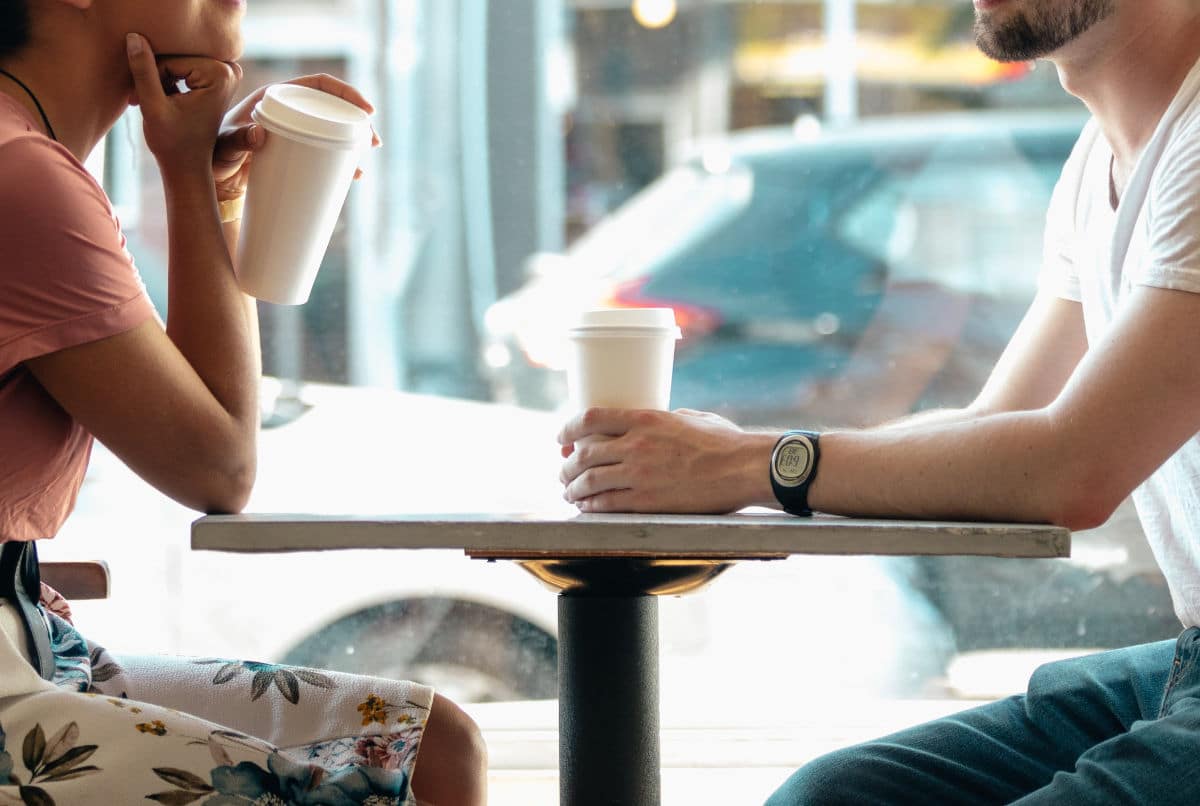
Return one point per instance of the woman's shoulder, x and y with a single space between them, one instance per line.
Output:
38 175
33 152
56 223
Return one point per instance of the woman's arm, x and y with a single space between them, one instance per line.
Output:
180 407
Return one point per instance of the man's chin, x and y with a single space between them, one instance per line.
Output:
1004 57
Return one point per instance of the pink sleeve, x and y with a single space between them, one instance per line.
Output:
65 277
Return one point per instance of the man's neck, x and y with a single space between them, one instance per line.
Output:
82 91
1129 68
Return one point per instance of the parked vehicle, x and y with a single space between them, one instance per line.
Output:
846 279
781 251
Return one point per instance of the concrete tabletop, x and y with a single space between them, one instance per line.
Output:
748 534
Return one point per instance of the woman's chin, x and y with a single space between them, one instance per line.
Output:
232 50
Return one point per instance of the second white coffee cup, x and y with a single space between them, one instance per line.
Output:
298 184
622 358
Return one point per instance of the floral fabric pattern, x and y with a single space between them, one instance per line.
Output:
115 730
54 602
389 751
60 758
283 781
72 659
287 679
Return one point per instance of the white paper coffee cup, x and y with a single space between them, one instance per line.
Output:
622 358
298 184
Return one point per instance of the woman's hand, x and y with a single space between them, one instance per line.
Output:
623 460
240 136
180 127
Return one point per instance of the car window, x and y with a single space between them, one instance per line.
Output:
672 213
969 225
777 258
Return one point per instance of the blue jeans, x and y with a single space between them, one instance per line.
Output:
1115 727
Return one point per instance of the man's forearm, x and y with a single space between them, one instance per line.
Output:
1001 467
933 431
929 417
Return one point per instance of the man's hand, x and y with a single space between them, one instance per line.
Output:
180 127
240 136
621 460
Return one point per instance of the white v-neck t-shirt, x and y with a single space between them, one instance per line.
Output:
1096 255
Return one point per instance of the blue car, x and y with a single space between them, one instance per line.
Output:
800 264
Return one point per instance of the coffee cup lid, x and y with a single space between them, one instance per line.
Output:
313 114
653 318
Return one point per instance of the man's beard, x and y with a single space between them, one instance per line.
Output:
1038 31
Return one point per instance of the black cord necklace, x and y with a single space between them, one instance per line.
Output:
35 100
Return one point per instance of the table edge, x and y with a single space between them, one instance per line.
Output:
509 536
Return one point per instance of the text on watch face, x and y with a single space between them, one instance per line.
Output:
794 462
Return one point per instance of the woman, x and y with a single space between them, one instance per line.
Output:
82 354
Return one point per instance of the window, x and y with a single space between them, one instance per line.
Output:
842 201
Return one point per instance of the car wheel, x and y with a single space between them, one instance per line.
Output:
467 651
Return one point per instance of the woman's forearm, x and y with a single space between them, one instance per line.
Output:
209 319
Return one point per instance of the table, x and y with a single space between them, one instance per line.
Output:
607 570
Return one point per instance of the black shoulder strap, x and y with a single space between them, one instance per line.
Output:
21 584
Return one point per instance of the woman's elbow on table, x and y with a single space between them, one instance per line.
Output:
214 485
224 493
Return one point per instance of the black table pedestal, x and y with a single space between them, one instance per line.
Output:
608 700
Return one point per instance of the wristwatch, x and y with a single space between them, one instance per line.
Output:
793 468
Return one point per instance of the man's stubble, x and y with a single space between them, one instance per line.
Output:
1037 30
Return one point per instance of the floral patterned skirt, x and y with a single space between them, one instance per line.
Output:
122 730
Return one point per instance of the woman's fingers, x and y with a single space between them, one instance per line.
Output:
240 115
231 158
183 99
235 143
326 83
335 86
146 82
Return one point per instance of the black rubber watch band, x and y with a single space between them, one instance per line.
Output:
793 468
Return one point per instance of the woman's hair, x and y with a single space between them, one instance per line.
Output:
14 26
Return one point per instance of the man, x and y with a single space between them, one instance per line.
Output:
1096 397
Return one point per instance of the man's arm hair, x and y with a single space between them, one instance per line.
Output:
1064 453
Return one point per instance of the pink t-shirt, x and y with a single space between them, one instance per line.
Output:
65 280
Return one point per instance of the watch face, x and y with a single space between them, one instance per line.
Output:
793 461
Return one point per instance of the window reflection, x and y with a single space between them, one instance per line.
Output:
846 236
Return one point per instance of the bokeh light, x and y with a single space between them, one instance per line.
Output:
655 13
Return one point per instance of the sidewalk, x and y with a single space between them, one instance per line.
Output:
713 757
